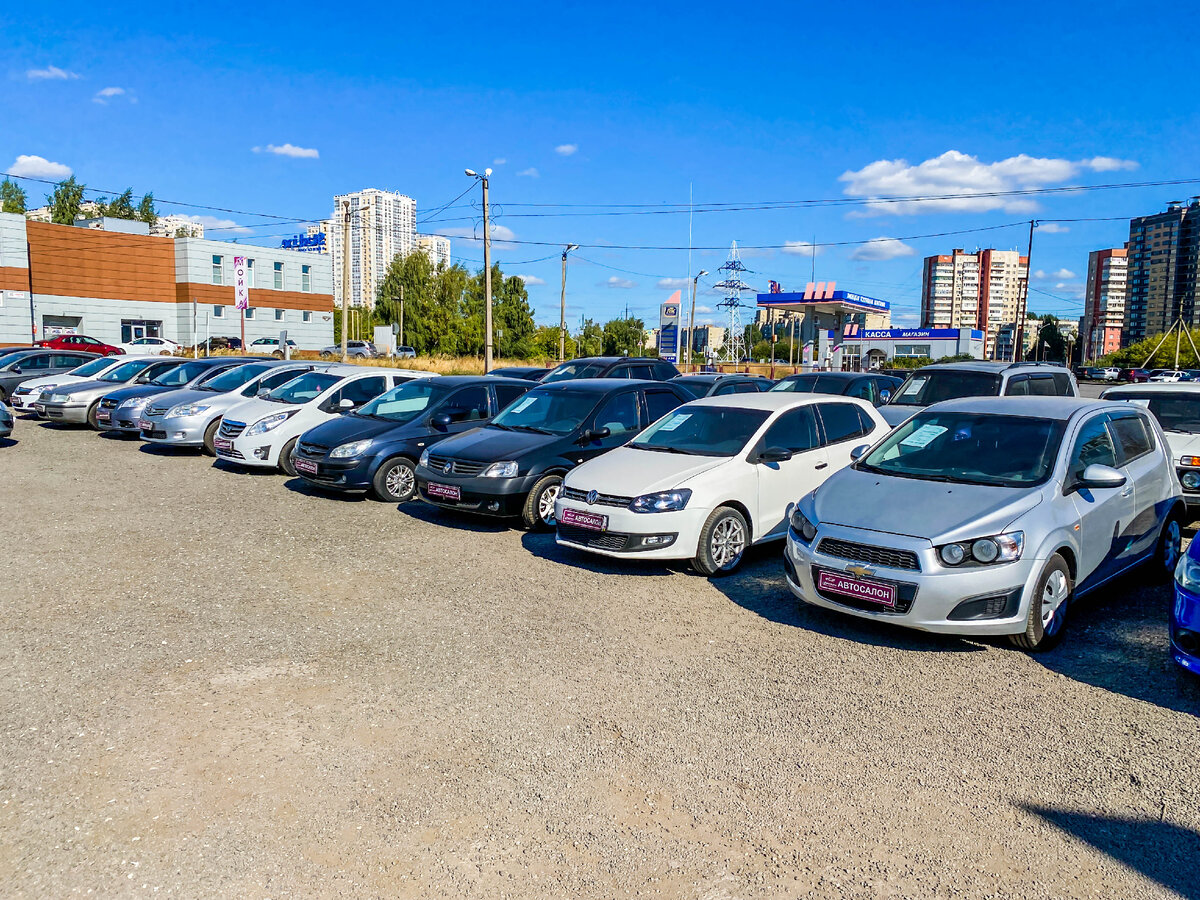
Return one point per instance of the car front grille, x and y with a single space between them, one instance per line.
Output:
156 410
230 453
877 556
108 404
457 466
231 429
315 451
601 499
601 540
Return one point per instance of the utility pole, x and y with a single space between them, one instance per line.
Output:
1023 305
345 273
487 271
692 317
562 306
402 344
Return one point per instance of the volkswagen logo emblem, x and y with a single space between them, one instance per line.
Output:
592 497
448 468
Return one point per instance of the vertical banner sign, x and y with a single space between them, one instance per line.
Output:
668 329
241 283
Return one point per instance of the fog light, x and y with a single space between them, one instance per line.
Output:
1190 480
180 435
262 452
493 506
1187 641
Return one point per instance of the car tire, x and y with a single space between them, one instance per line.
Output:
278 354
3 396
1167 552
395 480
285 458
723 542
91 416
1046 621
325 354
538 512
209 445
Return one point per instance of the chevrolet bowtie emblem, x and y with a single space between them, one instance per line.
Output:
860 571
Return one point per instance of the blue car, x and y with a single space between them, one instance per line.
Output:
376 448
1185 617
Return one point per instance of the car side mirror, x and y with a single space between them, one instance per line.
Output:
263 392
1098 476
595 434
441 421
859 451
775 455
16 370
885 396
345 403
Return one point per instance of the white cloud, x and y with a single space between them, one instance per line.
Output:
1109 164
50 73
289 150
1052 228
882 248
801 248
225 226
38 167
566 149
499 161
1074 291
703 309
531 172
615 282
531 280
961 174
672 284
1042 275
105 94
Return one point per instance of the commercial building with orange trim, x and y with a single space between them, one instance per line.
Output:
120 285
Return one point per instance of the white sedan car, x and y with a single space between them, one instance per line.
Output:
263 432
1169 376
712 477
150 346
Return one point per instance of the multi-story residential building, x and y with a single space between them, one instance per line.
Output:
984 290
177 226
437 248
1104 302
381 225
323 227
1164 253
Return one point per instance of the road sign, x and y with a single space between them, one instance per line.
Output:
241 283
668 329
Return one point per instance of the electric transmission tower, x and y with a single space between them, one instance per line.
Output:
732 284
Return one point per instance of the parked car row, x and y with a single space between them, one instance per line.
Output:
998 499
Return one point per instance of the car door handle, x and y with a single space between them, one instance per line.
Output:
1128 492
821 465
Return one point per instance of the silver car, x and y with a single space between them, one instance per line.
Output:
6 421
190 417
79 404
354 350
988 515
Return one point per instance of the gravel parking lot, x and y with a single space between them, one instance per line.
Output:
220 684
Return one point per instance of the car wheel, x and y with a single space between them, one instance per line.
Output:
723 541
395 481
91 415
278 354
210 437
538 514
285 458
1047 616
3 396
1166 555
325 354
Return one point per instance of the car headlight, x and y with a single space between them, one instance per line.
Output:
35 390
1187 573
185 409
262 426
133 403
506 469
58 398
424 460
663 501
984 551
802 526
354 448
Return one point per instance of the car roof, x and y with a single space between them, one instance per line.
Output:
982 365
773 400
607 360
1159 387
453 381
838 376
1037 407
597 385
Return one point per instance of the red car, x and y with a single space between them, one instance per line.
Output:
80 342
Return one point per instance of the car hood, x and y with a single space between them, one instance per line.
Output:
251 411
491 444
345 429
34 384
894 415
84 387
934 510
628 471
136 390
177 396
1183 444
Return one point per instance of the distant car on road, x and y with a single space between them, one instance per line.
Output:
612 367
150 346
80 342
874 388
270 345
403 352
354 350
1168 376
525 373
18 368
1140 376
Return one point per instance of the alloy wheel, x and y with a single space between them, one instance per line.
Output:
1054 595
546 504
727 543
399 481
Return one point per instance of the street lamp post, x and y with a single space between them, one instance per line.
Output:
692 318
487 271
562 306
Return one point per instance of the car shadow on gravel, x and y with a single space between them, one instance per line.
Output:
1161 851
300 486
252 471
7 442
168 450
543 545
1117 639
435 515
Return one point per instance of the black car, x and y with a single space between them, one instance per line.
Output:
376 448
526 373
612 367
864 385
714 384
514 466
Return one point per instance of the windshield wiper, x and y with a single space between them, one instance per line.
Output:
498 425
667 450
530 428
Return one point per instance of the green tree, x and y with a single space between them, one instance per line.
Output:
624 337
1048 342
512 315
146 211
65 201
545 344
12 197
590 341
120 207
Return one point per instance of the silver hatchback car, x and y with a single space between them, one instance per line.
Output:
988 515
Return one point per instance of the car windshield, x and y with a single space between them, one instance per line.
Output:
92 367
1179 412
697 387
307 387
180 374
813 384
128 370
571 370
926 388
403 403
702 431
232 379
548 412
969 448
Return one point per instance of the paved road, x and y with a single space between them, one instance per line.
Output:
219 684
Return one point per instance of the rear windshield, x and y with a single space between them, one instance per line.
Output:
573 370
1179 412
813 384
232 379
925 388
180 374
91 367
128 370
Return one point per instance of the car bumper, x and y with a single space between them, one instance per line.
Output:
1185 629
666 535
934 599
337 474
501 497
23 403
125 420
74 414
178 431
258 450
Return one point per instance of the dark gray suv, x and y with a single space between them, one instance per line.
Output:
953 381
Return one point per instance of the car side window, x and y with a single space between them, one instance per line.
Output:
1131 435
1062 384
795 430
468 405
1042 386
507 393
35 363
1018 386
864 389
646 372
620 372
841 421
360 391
745 387
662 372
619 414
1093 446
659 403
864 421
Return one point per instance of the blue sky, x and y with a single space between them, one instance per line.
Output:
620 104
